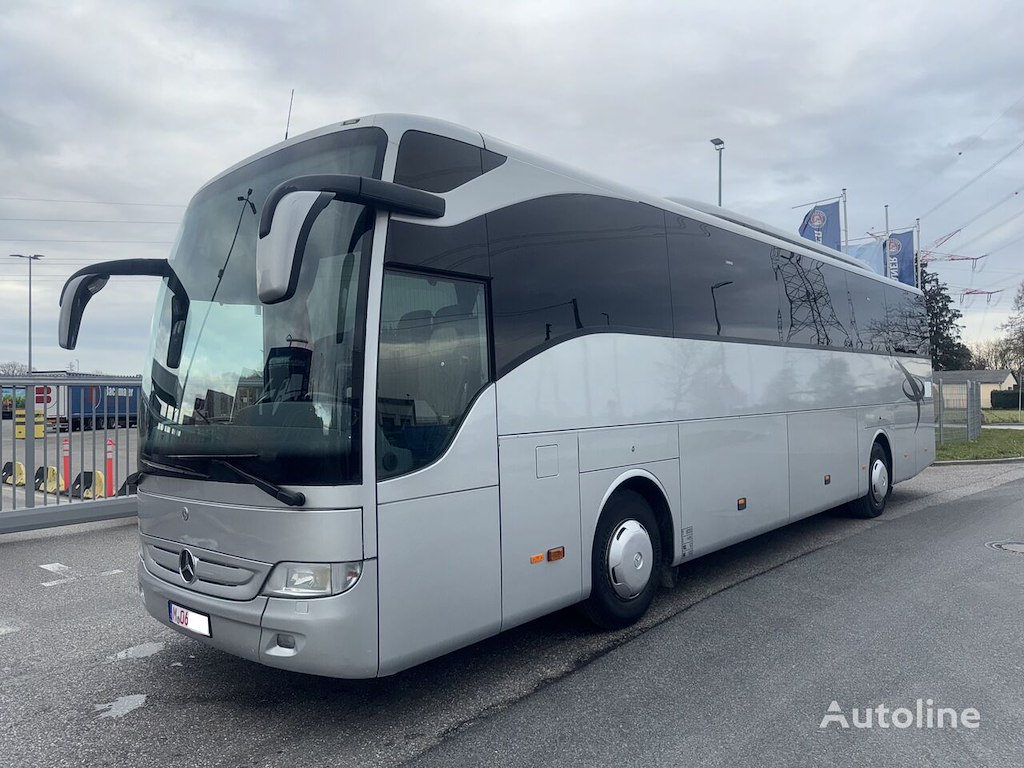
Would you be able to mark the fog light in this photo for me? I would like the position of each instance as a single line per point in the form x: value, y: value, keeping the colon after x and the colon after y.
x: 285, y: 640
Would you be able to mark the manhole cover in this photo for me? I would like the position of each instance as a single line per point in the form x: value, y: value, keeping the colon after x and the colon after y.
x: 1017, y: 547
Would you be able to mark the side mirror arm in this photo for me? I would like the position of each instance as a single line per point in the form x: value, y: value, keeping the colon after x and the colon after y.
x: 356, y: 189
x: 88, y: 281
x: 297, y: 203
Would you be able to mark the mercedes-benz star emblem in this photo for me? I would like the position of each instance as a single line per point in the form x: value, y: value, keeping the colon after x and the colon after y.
x: 187, y: 566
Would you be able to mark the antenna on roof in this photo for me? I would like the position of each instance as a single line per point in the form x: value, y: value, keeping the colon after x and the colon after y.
x: 288, y: 124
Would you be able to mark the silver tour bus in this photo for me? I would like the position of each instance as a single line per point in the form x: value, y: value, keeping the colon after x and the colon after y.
x: 409, y: 386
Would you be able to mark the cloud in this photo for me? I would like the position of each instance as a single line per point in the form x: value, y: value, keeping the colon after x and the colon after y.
x: 143, y: 102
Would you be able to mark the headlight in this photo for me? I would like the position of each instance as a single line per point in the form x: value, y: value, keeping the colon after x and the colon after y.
x: 312, y: 579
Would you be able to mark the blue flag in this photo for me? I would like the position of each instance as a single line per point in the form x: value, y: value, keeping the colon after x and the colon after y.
x: 870, y: 253
x: 821, y: 224
x: 899, y: 257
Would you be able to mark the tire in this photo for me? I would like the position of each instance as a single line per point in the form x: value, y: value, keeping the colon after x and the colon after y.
x: 625, y: 562
x: 872, y: 503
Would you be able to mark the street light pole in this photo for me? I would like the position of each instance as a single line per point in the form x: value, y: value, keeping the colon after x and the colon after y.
x: 30, y: 259
x: 719, y: 146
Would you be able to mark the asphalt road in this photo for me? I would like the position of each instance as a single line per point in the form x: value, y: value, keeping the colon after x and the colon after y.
x: 737, y: 665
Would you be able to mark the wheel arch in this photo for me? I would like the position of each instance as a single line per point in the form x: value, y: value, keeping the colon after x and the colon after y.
x: 647, y: 484
x: 882, y: 438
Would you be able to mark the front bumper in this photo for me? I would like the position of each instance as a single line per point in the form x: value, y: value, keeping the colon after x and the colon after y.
x: 333, y: 636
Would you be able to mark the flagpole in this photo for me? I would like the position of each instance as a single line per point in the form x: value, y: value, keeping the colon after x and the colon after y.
x: 917, y: 251
x: 846, y: 225
x: 885, y: 245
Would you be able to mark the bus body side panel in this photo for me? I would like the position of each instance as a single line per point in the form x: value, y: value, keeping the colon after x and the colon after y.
x: 735, y: 479
x: 440, y: 577
x: 824, y: 469
x: 612, y: 379
x: 913, y: 436
x: 439, y: 548
x: 540, y: 512
x: 904, y: 442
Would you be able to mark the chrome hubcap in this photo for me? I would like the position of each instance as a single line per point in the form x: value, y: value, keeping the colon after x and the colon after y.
x: 879, y: 481
x: 630, y: 559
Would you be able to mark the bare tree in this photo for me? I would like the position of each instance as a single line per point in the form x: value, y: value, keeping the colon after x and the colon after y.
x: 13, y: 368
x: 996, y: 355
x: 1013, y: 342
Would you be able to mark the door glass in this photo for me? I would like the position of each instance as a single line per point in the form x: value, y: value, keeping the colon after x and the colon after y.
x: 433, y: 361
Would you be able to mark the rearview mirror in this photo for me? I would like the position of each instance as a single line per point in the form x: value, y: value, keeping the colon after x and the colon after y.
x: 279, y: 253
x: 88, y: 281
x: 76, y: 295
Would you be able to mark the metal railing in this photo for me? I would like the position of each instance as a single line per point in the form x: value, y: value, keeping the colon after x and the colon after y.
x: 957, y: 411
x: 67, y: 440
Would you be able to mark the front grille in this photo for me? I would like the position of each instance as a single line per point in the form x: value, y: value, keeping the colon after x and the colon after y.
x: 217, y: 574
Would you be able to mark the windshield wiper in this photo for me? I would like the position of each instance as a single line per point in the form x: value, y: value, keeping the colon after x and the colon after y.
x: 171, y: 469
x: 291, y: 498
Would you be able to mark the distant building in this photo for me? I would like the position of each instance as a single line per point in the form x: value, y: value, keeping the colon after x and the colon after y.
x: 990, y: 381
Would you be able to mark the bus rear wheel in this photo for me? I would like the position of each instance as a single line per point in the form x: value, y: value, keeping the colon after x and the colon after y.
x: 872, y: 503
x: 624, y: 563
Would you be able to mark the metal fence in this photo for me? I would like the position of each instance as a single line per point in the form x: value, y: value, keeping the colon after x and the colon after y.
x: 957, y: 411
x: 67, y: 440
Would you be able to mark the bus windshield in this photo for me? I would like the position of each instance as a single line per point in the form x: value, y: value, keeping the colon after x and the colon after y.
x: 274, y: 389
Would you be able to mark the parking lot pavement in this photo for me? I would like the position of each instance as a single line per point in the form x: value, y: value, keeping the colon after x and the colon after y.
x: 915, y: 610
x: 87, y: 451
x: 736, y: 665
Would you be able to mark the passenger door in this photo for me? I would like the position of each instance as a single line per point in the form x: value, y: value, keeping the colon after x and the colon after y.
x: 439, y: 553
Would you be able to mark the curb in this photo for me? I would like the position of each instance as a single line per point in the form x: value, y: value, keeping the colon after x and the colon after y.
x: 956, y: 462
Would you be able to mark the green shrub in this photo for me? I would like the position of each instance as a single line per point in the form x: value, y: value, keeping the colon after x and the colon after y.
x: 1005, y: 398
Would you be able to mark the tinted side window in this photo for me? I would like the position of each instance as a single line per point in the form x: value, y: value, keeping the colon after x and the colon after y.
x: 439, y: 164
x: 907, y: 321
x: 723, y: 284
x: 460, y: 248
x: 869, y: 312
x: 922, y: 328
x: 432, y: 362
x: 841, y: 303
x: 810, y: 314
x: 572, y: 262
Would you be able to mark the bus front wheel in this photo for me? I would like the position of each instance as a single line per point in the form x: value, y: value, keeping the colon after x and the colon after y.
x: 872, y: 503
x: 625, y: 560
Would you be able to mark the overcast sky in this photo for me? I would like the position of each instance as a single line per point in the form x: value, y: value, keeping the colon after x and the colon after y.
x: 141, y: 102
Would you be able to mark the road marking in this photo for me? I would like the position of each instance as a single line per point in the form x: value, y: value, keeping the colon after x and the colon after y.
x: 121, y: 706
x: 60, y: 569
x: 137, y: 651
x: 68, y: 575
x: 57, y: 568
x: 9, y: 630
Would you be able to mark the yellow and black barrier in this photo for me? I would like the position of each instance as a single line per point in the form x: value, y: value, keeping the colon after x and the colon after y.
x: 13, y: 473
x: 47, y: 479
x: 89, y: 485
x: 19, y: 424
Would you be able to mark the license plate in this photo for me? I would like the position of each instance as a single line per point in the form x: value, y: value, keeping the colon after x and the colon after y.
x: 192, y: 621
